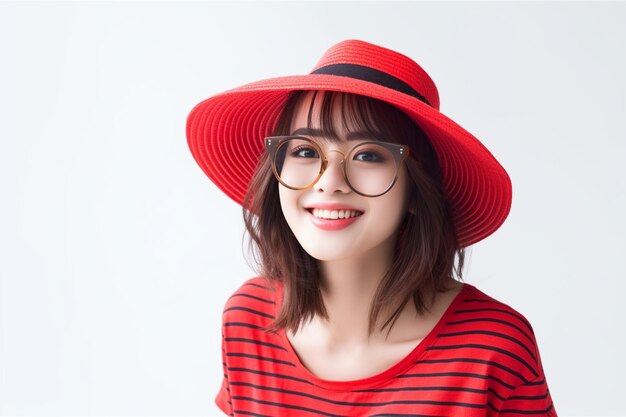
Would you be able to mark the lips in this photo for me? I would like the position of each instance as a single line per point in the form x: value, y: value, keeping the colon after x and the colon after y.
x: 340, y: 216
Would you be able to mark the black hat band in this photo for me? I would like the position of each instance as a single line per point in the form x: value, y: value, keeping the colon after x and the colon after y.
x: 363, y: 73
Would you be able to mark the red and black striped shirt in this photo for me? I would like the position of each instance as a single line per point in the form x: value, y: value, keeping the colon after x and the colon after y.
x: 481, y: 359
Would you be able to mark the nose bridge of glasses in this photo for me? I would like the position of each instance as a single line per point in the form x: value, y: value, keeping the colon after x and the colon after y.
x: 339, y: 159
x: 337, y: 172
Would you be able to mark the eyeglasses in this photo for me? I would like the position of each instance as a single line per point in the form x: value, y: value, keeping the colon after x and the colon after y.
x: 370, y: 168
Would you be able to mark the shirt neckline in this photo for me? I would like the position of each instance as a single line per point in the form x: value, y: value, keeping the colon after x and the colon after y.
x: 371, y: 381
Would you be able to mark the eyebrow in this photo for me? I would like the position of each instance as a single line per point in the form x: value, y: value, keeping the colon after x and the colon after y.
x: 352, y: 136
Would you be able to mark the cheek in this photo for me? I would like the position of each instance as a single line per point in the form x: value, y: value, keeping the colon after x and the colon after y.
x: 398, y: 193
x: 396, y: 205
x: 288, y: 203
x: 390, y: 214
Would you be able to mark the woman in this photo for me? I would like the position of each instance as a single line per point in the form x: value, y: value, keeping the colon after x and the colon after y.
x: 360, y: 198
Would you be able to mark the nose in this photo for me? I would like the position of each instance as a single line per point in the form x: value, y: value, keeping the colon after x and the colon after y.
x: 333, y: 179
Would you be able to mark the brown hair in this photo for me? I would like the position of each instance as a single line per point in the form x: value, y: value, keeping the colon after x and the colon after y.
x: 426, y: 246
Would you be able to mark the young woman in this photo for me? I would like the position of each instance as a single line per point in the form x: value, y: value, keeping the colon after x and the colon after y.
x: 360, y: 198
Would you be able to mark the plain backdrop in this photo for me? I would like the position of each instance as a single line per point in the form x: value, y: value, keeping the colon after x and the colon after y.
x: 117, y: 253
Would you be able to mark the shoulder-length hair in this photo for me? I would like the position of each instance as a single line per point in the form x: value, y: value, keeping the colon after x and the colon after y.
x: 426, y: 247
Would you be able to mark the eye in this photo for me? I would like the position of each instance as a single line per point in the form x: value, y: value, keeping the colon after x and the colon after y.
x: 304, y: 151
x: 369, y: 156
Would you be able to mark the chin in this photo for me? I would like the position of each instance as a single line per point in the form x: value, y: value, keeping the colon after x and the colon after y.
x: 323, y: 257
x: 326, y: 252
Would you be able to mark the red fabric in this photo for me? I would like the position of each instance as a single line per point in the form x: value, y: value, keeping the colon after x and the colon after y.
x: 481, y: 359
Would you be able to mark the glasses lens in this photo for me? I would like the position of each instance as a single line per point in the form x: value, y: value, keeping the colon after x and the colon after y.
x: 371, y: 168
x: 298, y: 162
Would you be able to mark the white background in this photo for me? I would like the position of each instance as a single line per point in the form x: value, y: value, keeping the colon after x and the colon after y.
x: 117, y: 254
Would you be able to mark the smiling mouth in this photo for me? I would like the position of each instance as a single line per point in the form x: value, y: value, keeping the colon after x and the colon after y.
x: 334, y: 214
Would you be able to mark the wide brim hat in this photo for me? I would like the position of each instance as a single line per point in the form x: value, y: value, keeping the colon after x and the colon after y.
x: 225, y: 132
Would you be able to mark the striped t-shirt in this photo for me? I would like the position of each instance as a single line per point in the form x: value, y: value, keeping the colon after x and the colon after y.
x: 481, y: 359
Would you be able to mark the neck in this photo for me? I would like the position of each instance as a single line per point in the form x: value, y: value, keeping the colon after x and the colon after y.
x: 349, y: 288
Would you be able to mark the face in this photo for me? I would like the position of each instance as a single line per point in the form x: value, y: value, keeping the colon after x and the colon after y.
x: 326, y: 240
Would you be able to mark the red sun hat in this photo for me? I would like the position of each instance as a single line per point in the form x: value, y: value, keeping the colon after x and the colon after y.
x: 225, y: 132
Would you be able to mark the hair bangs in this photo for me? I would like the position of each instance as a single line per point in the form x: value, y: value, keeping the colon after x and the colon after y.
x: 335, y: 112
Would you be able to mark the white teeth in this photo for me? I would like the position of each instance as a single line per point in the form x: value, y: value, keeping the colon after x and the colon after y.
x: 335, y: 214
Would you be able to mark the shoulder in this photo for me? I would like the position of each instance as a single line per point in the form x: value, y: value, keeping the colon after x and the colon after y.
x: 502, y: 340
x: 254, y: 301
x: 474, y: 297
x: 493, y: 310
x: 502, y: 333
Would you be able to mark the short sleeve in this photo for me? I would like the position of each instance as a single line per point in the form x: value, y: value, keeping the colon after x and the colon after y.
x: 531, y: 398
